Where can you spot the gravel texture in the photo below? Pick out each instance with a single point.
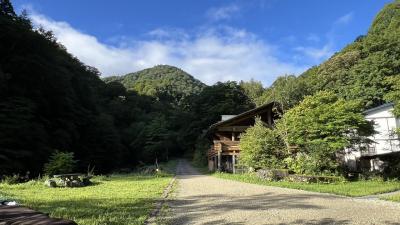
(201, 199)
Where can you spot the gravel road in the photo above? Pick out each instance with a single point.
(208, 200)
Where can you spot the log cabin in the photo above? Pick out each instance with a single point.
(225, 135)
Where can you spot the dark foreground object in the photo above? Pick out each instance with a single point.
(12, 215)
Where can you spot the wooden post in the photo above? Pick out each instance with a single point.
(219, 160)
(215, 163)
(233, 163)
(233, 136)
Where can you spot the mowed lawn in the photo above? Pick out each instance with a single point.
(118, 199)
(353, 189)
(395, 198)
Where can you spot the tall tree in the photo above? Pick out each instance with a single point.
(6, 8)
(323, 125)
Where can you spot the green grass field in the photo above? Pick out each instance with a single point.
(118, 199)
(395, 198)
(354, 189)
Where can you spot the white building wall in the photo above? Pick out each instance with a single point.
(386, 140)
(385, 124)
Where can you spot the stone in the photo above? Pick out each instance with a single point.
(272, 174)
(50, 183)
(76, 183)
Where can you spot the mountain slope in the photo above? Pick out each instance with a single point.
(361, 69)
(161, 80)
(49, 101)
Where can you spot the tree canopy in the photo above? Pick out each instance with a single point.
(320, 127)
(50, 101)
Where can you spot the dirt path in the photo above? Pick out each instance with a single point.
(208, 200)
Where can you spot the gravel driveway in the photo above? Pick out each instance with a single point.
(203, 199)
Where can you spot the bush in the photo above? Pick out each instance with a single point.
(15, 178)
(392, 170)
(11, 179)
(60, 163)
(321, 126)
(272, 174)
(200, 152)
(314, 179)
(317, 161)
(261, 147)
(371, 176)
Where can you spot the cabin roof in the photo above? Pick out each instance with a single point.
(249, 113)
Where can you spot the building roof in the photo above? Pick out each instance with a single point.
(379, 107)
(248, 113)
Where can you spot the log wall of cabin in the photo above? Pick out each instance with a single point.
(226, 139)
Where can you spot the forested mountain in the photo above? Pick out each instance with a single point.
(359, 71)
(50, 101)
(161, 81)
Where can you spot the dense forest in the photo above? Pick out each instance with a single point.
(362, 70)
(50, 101)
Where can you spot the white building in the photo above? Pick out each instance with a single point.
(385, 141)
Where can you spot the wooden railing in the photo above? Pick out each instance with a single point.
(224, 146)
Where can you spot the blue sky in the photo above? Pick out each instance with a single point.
(212, 40)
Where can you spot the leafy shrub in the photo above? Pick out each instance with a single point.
(392, 169)
(321, 126)
(272, 174)
(200, 152)
(314, 179)
(148, 170)
(371, 176)
(261, 147)
(15, 178)
(317, 161)
(60, 163)
(12, 179)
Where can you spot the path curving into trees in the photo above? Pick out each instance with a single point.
(202, 199)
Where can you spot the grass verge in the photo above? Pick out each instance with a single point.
(118, 199)
(353, 189)
(394, 198)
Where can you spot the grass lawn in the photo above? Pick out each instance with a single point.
(354, 189)
(395, 198)
(118, 199)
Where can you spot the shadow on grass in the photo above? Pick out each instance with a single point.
(97, 211)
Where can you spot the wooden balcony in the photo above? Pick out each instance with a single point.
(225, 147)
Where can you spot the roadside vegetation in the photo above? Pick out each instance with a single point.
(79, 121)
(345, 188)
(395, 198)
(113, 199)
(301, 152)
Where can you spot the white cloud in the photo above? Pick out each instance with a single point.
(212, 54)
(345, 19)
(322, 52)
(223, 13)
(317, 54)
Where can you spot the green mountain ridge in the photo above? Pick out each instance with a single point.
(160, 79)
(51, 101)
(360, 70)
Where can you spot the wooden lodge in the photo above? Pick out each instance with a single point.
(225, 135)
